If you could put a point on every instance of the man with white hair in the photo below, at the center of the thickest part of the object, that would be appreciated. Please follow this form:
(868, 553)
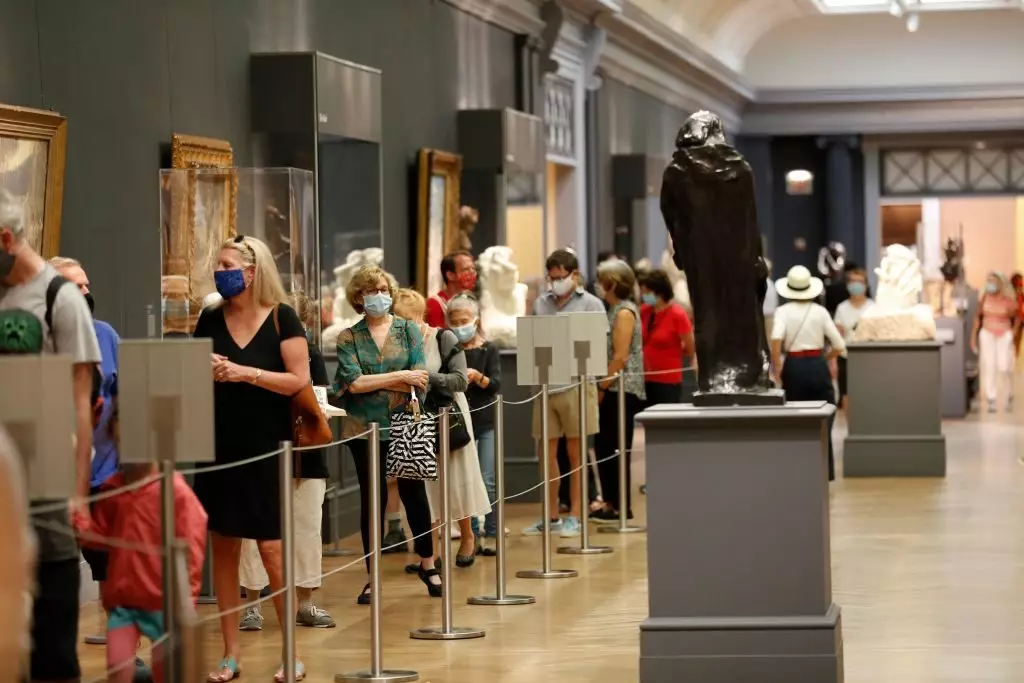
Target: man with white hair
(41, 312)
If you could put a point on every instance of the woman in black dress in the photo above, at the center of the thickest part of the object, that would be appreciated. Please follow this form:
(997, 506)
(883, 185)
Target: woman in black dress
(259, 360)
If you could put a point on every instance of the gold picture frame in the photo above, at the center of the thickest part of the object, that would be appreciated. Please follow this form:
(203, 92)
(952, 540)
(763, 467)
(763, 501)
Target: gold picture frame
(439, 175)
(203, 213)
(33, 147)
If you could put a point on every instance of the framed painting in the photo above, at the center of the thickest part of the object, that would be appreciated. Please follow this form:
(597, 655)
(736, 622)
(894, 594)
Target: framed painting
(201, 201)
(437, 217)
(33, 144)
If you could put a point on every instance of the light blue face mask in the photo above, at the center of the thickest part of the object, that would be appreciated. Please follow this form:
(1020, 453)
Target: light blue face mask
(856, 288)
(464, 333)
(992, 288)
(377, 305)
(649, 299)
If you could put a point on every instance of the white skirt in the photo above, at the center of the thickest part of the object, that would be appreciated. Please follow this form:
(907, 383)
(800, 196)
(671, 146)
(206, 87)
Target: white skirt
(467, 495)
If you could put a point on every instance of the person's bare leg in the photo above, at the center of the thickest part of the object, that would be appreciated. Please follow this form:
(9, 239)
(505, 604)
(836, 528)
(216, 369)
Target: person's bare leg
(467, 544)
(226, 553)
(270, 551)
(572, 447)
(303, 596)
(252, 595)
(554, 473)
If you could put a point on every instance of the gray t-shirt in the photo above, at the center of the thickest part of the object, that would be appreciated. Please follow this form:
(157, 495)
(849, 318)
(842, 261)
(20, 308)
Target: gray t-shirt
(73, 334)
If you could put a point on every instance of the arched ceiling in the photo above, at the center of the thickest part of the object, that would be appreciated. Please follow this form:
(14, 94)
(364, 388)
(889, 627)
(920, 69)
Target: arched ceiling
(729, 29)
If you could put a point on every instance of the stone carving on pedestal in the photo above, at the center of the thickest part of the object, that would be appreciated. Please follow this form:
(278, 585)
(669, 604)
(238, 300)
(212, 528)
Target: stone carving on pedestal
(502, 296)
(897, 314)
(344, 315)
(707, 199)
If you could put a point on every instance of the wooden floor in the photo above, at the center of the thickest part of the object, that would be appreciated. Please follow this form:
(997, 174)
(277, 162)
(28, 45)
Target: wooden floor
(928, 574)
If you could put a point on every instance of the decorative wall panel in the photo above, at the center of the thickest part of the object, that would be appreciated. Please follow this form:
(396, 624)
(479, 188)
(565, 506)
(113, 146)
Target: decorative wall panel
(956, 171)
(560, 116)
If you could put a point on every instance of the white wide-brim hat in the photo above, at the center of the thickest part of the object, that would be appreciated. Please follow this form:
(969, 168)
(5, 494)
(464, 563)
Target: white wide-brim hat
(799, 285)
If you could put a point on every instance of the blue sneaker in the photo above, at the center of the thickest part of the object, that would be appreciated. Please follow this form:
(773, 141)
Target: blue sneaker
(571, 527)
(538, 528)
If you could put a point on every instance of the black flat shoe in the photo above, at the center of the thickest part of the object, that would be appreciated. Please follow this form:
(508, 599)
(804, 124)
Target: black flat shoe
(414, 567)
(464, 561)
(434, 589)
(364, 597)
(484, 551)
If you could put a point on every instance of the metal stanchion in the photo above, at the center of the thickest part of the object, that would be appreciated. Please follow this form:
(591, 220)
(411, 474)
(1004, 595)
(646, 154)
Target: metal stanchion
(584, 548)
(288, 559)
(623, 526)
(376, 671)
(500, 597)
(546, 572)
(447, 631)
(169, 566)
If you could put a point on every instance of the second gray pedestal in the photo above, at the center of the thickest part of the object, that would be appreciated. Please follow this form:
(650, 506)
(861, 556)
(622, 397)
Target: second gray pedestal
(738, 553)
(895, 410)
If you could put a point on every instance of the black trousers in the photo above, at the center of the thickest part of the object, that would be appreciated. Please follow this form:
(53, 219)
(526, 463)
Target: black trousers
(565, 483)
(841, 367)
(607, 442)
(659, 392)
(807, 378)
(412, 492)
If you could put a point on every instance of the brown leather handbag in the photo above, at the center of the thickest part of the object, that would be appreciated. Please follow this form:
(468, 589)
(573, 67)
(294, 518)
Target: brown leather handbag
(309, 424)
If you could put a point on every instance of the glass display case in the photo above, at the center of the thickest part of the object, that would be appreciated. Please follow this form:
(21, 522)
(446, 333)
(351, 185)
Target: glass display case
(201, 208)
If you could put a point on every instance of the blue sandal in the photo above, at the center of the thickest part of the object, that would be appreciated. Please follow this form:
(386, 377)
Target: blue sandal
(229, 664)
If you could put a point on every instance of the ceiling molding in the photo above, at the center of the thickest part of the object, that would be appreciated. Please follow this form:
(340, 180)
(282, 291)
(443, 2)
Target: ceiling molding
(517, 16)
(928, 93)
(884, 117)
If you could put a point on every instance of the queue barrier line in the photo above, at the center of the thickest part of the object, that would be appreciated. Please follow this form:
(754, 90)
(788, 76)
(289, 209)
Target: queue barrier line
(121, 667)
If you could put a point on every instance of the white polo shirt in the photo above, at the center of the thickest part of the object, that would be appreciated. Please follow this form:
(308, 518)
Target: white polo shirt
(805, 326)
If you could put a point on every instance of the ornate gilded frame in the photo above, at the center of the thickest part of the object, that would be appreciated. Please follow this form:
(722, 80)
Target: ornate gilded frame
(23, 123)
(431, 164)
(194, 153)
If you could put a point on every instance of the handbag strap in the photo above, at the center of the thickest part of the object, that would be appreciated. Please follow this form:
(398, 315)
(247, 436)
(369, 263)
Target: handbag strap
(799, 327)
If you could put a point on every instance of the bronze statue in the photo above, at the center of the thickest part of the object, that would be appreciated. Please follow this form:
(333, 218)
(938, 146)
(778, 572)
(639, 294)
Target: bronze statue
(707, 199)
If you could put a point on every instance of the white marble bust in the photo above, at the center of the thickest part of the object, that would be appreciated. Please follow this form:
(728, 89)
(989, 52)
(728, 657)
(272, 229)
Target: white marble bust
(502, 296)
(344, 315)
(898, 314)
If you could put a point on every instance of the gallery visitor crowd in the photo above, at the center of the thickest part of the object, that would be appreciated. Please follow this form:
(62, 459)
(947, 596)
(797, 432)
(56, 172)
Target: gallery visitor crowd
(407, 353)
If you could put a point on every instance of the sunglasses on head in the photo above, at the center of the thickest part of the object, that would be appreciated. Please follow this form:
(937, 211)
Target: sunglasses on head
(240, 239)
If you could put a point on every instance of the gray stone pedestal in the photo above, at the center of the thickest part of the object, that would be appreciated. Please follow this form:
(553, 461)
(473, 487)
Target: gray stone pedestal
(894, 410)
(738, 557)
(954, 366)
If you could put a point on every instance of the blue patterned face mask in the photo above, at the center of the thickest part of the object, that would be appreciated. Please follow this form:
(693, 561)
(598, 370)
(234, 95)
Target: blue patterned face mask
(464, 333)
(229, 282)
(376, 305)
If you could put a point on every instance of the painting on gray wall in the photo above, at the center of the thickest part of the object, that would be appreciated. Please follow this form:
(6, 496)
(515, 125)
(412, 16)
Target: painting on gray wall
(438, 214)
(32, 148)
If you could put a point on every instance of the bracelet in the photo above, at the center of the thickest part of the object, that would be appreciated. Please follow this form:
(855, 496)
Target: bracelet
(256, 379)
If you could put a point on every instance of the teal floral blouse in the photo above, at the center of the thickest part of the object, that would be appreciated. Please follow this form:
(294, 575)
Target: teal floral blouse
(358, 355)
(635, 363)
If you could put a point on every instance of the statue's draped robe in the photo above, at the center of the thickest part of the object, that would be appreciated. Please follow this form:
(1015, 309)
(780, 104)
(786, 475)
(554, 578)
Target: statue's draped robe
(707, 199)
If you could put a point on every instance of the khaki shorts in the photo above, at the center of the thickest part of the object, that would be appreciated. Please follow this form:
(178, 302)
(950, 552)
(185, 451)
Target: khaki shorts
(564, 414)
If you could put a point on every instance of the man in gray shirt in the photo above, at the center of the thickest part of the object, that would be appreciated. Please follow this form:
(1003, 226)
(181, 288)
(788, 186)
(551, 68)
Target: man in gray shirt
(39, 314)
(565, 296)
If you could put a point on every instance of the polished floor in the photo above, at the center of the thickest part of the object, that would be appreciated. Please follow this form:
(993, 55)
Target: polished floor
(929, 575)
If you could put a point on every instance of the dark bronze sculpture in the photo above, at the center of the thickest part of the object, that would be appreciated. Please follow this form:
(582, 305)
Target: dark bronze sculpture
(707, 199)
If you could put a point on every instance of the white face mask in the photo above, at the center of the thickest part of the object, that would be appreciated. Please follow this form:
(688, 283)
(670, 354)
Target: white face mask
(563, 286)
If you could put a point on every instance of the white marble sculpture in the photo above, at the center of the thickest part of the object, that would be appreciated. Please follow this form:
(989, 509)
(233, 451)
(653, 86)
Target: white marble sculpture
(679, 287)
(897, 314)
(344, 315)
(502, 296)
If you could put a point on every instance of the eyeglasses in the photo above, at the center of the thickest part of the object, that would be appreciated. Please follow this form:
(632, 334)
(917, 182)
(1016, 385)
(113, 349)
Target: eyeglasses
(240, 239)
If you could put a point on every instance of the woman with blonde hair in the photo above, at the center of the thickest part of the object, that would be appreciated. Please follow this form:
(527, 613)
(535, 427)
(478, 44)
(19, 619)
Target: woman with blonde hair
(448, 380)
(380, 366)
(260, 360)
(995, 326)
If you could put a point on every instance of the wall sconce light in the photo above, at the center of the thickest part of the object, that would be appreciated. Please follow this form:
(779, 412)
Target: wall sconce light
(799, 182)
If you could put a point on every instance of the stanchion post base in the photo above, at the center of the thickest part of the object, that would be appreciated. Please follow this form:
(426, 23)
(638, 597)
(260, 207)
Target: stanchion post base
(206, 600)
(590, 550)
(383, 677)
(620, 530)
(339, 552)
(453, 634)
(553, 574)
(95, 640)
(507, 600)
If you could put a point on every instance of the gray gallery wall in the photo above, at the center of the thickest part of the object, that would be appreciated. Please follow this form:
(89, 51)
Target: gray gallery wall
(628, 121)
(129, 73)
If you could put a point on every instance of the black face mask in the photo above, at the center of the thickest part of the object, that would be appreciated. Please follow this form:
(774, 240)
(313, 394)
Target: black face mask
(92, 302)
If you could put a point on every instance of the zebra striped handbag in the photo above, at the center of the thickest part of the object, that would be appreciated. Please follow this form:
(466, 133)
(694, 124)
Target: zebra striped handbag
(411, 448)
